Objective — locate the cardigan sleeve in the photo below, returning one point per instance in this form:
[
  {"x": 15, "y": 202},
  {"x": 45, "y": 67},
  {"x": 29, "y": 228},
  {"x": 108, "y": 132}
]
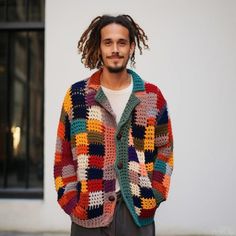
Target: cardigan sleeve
[
  {"x": 65, "y": 177},
  {"x": 163, "y": 164}
]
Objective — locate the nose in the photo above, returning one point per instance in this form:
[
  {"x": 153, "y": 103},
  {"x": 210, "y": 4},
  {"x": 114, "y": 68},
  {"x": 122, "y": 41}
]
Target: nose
[{"x": 115, "y": 48}]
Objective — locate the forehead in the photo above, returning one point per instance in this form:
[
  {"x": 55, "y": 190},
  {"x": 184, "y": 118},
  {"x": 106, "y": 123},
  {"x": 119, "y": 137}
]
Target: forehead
[{"x": 114, "y": 31}]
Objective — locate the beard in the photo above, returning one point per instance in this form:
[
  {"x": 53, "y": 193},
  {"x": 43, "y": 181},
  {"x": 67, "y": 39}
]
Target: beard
[{"x": 116, "y": 70}]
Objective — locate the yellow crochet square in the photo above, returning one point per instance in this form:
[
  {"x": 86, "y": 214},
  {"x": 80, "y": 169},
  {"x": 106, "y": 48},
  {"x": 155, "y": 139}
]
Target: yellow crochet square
[
  {"x": 149, "y": 139},
  {"x": 149, "y": 132},
  {"x": 149, "y": 166},
  {"x": 58, "y": 183},
  {"x": 84, "y": 186},
  {"x": 67, "y": 102},
  {"x": 148, "y": 203},
  {"x": 94, "y": 125},
  {"x": 148, "y": 144},
  {"x": 81, "y": 139},
  {"x": 171, "y": 160}
]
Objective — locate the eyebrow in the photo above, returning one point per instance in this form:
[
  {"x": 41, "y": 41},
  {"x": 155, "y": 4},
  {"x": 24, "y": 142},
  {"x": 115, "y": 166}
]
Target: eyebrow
[{"x": 121, "y": 39}]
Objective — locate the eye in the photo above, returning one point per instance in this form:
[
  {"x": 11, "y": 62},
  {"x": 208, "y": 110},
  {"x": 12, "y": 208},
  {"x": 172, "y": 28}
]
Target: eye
[
  {"x": 107, "y": 43},
  {"x": 122, "y": 43}
]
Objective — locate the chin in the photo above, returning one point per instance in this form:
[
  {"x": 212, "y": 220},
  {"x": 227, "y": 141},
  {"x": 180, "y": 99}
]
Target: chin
[{"x": 117, "y": 69}]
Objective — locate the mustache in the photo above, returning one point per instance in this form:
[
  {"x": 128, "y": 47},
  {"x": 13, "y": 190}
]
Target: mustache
[{"x": 115, "y": 55}]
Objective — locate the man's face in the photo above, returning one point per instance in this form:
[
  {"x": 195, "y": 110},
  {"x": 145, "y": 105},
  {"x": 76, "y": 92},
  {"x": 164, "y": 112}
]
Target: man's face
[{"x": 115, "y": 47}]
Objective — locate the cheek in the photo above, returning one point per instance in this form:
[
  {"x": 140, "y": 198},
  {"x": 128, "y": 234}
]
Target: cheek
[
  {"x": 126, "y": 52},
  {"x": 104, "y": 53}
]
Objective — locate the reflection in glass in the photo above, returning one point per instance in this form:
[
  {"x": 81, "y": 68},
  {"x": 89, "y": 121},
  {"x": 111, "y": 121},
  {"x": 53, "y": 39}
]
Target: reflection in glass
[
  {"x": 22, "y": 92},
  {"x": 36, "y": 56},
  {"x": 3, "y": 105},
  {"x": 21, "y": 97},
  {"x": 21, "y": 10},
  {"x": 16, "y": 139},
  {"x": 36, "y": 10},
  {"x": 3, "y": 7},
  {"x": 16, "y": 10},
  {"x": 18, "y": 116}
]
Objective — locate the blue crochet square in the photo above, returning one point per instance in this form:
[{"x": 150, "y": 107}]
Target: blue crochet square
[{"x": 78, "y": 126}]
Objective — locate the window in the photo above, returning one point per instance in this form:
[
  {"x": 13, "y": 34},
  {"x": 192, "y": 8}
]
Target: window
[{"x": 21, "y": 98}]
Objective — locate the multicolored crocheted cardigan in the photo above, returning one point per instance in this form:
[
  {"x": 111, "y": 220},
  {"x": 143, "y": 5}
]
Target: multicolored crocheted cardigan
[{"x": 91, "y": 150}]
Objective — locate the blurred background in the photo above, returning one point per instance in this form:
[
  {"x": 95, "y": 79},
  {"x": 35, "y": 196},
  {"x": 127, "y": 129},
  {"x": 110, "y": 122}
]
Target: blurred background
[{"x": 192, "y": 59}]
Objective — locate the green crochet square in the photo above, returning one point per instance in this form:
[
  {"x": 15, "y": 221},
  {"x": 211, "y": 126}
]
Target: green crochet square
[
  {"x": 160, "y": 166},
  {"x": 78, "y": 126}
]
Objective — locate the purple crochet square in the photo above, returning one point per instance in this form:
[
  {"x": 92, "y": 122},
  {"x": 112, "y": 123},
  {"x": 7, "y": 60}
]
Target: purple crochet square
[{"x": 109, "y": 185}]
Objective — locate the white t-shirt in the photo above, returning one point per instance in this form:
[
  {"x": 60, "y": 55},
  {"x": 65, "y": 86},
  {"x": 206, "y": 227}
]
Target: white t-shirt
[{"x": 118, "y": 100}]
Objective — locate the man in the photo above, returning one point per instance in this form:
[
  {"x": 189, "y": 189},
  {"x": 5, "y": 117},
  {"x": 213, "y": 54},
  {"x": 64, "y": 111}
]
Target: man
[{"x": 114, "y": 151}]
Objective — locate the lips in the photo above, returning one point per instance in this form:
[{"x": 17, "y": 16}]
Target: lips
[{"x": 114, "y": 57}]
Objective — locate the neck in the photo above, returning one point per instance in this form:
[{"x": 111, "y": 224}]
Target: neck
[{"x": 115, "y": 81}]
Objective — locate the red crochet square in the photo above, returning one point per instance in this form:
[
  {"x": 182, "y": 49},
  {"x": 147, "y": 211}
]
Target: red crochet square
[
  {"x": 96, "y": 161},
  {"x": 84, "y": 200},
  {"x": 150, "y": 88},
  {"x": 147, "y": 213},
  {"x": 94, "y": 185}
]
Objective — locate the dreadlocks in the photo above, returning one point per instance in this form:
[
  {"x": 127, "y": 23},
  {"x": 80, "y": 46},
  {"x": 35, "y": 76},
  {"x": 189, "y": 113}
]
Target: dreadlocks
[{"x": 89, "y": 42}]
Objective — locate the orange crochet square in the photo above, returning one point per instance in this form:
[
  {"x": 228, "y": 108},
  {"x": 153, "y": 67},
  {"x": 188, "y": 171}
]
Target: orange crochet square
[
  {"x": 80, "y": 212},
  {"x": 66, "y": 198},
  {"x": 82, "y": 149},
  {"x": 166, "y": 181},
  {"x": 159, "y": 187},
  {"x": 151, "y": 121},
  {"x": 61, "y": 130},
  {"x": 58, "y": 157},
  {"x": 109, "y": 207}
]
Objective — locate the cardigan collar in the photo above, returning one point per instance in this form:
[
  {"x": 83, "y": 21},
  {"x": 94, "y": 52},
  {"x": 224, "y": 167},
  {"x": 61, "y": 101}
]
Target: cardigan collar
[
  {"x": 100, "y": 97},
  {"x": 138, "y": 83}
]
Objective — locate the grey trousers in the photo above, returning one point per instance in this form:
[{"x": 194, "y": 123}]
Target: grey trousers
[{"x": 122, "y": 225}]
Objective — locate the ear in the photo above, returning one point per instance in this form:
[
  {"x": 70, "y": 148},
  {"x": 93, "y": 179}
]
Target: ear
[{"x": 132, "y": 48}]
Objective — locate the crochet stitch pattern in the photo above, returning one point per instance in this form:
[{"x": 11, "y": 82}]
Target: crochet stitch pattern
[{"x": 92, "y": 151}]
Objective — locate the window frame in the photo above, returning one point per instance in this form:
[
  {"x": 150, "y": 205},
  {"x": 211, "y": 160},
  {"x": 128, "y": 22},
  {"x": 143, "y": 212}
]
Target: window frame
[{"x": 26, "y": 191}]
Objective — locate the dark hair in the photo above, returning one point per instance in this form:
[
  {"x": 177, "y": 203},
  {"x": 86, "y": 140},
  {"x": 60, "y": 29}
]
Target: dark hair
[{"x": 89, "y": 42}]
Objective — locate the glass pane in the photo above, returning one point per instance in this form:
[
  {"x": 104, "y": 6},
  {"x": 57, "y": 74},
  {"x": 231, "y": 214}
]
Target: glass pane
[
  {"x": 3, "y": 105},
  {"x": 36, "y": 59},
  {"x": 3, "y": 8},
  {"x": 36, "y": 10},
  {"x": 18, "y": 112},
  {"x": 16, "y": 10}
]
